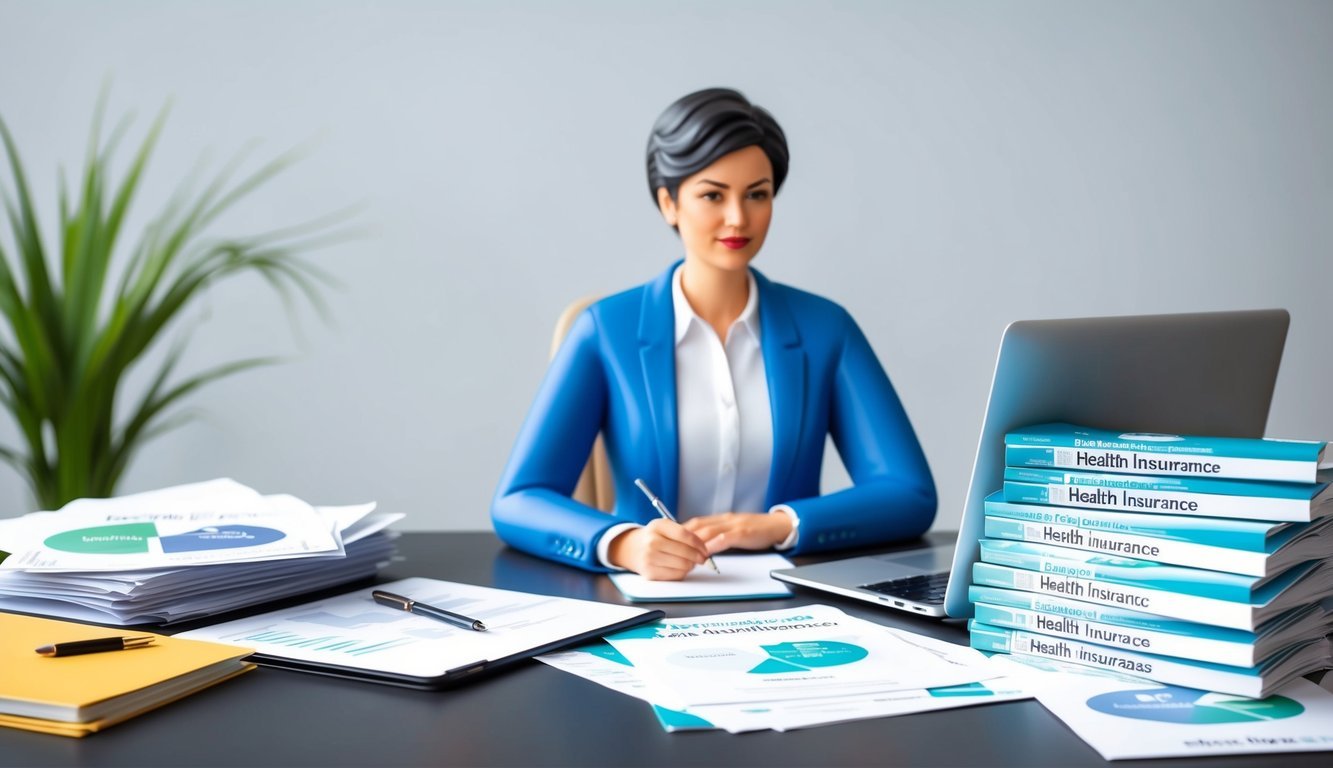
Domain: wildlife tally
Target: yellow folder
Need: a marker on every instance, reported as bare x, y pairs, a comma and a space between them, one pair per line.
77, 695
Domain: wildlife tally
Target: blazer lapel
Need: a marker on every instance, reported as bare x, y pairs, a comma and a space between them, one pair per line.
785, 369
657, 354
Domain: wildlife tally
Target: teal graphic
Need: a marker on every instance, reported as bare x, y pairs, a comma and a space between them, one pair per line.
604, 651
802, 657
674, 720
642, 632
967, 689
1191, 707
124, 539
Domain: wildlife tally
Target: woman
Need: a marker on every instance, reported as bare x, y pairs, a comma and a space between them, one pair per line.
715, 386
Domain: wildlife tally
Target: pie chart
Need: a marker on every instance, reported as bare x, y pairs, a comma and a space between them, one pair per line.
804, 656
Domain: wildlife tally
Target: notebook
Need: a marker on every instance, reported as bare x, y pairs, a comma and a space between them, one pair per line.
739, 577
1209, 373
78, 695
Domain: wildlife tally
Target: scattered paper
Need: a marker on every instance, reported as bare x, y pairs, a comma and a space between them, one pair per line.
602, 664
794, 653
1127, 718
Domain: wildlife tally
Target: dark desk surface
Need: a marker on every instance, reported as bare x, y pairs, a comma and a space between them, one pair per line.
536, 715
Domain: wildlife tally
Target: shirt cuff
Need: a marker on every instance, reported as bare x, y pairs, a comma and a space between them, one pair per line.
604, 544
795, 534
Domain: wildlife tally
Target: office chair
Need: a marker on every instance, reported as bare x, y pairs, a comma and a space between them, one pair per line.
594, 487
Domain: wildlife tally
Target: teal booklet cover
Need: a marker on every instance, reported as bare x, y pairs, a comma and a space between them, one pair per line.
1111, 533
1063, 561
1248, 535
1297, 587
1070, 446
1242, 499
1138, 631
1253, 681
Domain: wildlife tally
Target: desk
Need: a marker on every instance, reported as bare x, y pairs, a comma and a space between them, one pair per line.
535, 715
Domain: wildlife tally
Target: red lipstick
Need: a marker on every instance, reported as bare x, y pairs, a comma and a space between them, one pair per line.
735, 243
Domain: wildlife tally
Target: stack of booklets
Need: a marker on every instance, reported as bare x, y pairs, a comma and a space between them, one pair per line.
1193, 561
78, 695
183, 553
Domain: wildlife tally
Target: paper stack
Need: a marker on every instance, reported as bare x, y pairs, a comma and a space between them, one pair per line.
1207, 570
183, 552
784, 669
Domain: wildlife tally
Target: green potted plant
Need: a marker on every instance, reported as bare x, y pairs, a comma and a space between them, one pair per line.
74, 321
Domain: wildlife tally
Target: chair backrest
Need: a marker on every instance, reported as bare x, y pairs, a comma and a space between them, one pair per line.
594, 487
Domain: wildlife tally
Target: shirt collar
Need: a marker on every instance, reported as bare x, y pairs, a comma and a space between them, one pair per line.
685, 315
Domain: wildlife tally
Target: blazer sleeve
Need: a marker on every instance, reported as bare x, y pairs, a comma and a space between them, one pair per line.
532, 510
893, 494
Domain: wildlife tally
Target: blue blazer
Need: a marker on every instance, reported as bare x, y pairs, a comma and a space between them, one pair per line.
616, 373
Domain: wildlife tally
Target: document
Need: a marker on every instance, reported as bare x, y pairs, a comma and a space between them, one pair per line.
741, 577
602, 664
1123, 718
354, 636
804, 653
198, 524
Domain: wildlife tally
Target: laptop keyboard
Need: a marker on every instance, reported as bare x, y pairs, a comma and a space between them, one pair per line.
926, 588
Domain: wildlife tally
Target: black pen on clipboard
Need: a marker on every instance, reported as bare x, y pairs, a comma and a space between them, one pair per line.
430, 611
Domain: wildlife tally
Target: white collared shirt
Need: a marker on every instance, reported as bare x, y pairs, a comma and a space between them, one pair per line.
724, 424
723, 421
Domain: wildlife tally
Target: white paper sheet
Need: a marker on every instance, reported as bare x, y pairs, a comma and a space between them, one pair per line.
1128, 719
741, 577
596, 665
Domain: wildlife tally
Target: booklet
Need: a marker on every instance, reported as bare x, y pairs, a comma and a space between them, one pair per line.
738, 577
352, 636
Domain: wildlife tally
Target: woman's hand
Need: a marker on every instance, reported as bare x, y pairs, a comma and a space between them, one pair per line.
741, 530
661, 550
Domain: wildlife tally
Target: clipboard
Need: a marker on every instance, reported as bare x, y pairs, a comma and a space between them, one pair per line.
350, 636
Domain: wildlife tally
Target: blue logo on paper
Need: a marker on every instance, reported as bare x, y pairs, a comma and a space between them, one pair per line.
1188, 706
220, 537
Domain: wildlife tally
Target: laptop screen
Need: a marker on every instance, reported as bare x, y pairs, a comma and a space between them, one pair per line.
1200, 374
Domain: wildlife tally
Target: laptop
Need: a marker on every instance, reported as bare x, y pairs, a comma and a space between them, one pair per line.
1200, 374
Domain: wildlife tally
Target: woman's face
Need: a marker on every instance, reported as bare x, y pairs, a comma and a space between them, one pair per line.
723, 211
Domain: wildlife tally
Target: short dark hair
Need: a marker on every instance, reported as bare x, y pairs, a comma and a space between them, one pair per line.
697, 129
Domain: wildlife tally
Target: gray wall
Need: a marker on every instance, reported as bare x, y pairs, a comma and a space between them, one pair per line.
955, 167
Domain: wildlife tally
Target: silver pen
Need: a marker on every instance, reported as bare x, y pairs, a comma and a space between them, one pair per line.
664, 512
